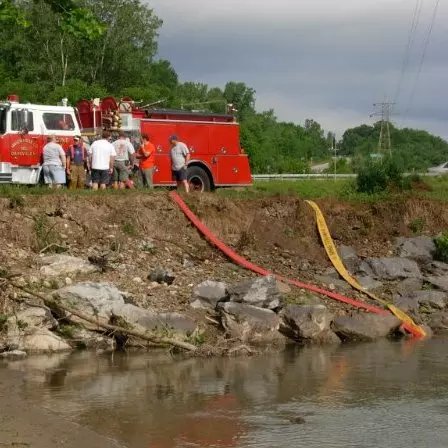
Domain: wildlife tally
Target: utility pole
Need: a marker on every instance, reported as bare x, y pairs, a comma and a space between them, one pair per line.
385, 112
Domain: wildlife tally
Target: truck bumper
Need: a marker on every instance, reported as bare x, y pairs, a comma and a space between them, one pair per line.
26, 175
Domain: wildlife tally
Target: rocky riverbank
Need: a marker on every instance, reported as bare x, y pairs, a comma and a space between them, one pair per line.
151, 272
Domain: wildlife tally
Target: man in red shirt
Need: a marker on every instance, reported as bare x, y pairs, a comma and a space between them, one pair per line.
147, 156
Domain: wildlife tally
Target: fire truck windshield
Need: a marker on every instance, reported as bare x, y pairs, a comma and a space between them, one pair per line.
3, 114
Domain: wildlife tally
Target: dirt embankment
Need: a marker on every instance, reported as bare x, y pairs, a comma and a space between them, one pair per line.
133, 233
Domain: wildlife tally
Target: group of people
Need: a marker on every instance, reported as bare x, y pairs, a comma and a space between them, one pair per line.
109, 162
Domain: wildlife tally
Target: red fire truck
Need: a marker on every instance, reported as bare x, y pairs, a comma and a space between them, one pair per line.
217, 159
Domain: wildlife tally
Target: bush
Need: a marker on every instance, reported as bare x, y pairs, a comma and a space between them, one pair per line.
376, 176
441, 243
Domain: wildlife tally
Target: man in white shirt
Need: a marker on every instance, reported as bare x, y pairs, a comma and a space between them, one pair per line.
125, 153
102, 155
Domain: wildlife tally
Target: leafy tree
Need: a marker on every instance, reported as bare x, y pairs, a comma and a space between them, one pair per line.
412, 149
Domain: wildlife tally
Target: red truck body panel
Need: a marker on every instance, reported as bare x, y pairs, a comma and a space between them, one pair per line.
213, 145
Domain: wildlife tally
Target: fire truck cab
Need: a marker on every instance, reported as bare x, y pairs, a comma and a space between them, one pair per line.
24, 129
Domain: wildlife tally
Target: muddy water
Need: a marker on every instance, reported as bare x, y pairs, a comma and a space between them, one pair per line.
371, 395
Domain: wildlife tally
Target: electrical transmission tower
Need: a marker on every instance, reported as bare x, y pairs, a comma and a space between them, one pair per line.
385, 112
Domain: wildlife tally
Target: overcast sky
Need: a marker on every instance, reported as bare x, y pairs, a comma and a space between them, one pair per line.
322, 59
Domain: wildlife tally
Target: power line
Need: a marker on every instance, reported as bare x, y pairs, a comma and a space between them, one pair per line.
409, 45
422, 61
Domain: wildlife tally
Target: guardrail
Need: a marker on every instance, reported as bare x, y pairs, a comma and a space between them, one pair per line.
321, 176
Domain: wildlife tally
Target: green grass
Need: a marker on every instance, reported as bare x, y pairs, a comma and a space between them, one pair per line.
343, 189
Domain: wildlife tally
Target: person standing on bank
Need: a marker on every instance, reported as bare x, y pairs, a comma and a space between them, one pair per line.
125, 154
54, 163
102, 154
77, 164
147, 157
180, 156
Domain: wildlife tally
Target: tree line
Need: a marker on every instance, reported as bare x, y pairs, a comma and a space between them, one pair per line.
92, 48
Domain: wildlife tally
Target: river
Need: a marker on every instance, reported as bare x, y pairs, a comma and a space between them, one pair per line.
387, 394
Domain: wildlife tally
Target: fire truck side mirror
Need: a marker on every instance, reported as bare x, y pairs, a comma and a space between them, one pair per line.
23, 120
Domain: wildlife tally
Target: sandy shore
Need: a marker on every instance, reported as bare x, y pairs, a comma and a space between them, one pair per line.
25, 425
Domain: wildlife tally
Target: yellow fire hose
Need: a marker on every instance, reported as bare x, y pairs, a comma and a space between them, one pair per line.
333, 255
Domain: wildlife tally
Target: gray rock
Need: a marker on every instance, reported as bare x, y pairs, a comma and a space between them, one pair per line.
34, 317
394, 268
28, 322
369, 283
364, 270
437, 268
409, 285
439, 323
63, 265
261, 292
331, 273
347, 252
350, 258
435, 299
407, 304
14, 354
333, 284
250, 324
171, 324
308, 324
420, 248
39, 340
440, 282
208, 294
365, 326
161, 275
85, 339
97, 300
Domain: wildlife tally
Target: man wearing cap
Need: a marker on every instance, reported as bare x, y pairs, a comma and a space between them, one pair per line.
180, 157
77, 163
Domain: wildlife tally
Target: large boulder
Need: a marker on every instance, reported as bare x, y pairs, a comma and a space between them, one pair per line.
365, 326
407, 304
82, 338
434, 299
261, 292
33, 335
308, 324
168, 324
96, 300
439, 323
26, 324
410, 285
394, 268
63, 265
369, 283
440, 282
208, 294
419, 248
42, 341
33, 317
438, 268
250, 324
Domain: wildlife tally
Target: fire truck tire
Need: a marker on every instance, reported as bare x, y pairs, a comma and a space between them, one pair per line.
198, 179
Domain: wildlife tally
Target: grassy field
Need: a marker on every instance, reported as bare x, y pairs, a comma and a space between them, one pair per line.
344, 189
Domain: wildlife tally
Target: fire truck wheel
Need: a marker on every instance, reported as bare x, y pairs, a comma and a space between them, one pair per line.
198, 179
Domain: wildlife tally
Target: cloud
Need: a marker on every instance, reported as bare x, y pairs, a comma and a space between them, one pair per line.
325, 59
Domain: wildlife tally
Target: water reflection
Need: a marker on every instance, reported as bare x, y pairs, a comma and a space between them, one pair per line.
353, 396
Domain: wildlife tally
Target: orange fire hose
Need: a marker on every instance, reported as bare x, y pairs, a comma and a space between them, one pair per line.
213, 239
